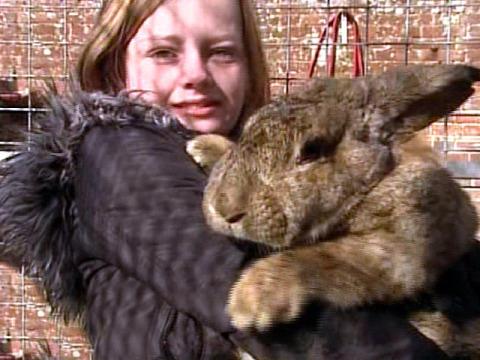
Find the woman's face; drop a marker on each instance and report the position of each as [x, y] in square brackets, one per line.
[190, 55]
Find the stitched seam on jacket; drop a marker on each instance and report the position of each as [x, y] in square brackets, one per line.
[169, 322]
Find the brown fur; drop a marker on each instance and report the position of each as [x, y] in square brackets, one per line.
[333, 177]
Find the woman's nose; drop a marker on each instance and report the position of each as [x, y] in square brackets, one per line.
[195, 70]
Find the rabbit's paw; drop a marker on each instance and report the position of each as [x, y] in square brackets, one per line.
[268, 292]
[206, 150]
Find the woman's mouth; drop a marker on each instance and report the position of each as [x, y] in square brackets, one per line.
[196, 109]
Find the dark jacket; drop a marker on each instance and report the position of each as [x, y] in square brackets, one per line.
[105, 205]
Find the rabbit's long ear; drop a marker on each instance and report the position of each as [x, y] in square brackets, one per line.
[408, 99]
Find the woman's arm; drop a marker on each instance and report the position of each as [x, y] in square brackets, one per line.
[326, 333]
[139, 200]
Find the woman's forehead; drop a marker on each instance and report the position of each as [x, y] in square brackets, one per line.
[218, 18]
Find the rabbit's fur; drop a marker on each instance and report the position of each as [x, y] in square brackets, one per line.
[334, 178]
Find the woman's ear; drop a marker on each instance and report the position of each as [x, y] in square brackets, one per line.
[408, 99]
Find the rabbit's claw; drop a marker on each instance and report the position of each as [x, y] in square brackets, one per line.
[267, 293]
[206, 150]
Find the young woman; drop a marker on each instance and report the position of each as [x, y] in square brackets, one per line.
[114, 222]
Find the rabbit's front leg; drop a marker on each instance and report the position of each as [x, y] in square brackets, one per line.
[269, 291]
[206, 150]
[348, 272]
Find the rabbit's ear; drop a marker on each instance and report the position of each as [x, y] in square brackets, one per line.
[408, 99]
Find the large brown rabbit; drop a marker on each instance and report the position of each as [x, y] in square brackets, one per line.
[360, 210]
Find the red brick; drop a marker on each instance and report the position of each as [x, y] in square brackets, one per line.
[473, 32]
[425, 54]
[432, 32]
[473, 56]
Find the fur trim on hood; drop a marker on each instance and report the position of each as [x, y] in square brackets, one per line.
[37, 200]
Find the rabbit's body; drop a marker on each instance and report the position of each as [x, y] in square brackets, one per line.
[334, 177]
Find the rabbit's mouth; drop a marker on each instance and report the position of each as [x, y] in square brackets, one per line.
[265, 227]
[254, 229]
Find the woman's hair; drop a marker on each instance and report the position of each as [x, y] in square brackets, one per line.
[101, 65]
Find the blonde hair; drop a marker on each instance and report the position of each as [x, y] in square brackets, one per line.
[101, 65]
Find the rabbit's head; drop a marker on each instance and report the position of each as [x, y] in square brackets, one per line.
[302, 163]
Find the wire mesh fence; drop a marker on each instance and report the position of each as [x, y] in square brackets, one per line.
[41, 39]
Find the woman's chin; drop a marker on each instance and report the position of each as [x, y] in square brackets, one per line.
[206, 126]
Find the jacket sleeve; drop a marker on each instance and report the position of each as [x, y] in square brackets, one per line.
[326, 333]
[139, 203]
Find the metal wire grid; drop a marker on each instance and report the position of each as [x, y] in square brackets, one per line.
[29, 80]
[291, 30]
[27, 330]
[456, 137]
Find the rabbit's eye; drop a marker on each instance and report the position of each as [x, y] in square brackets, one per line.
[314, 149]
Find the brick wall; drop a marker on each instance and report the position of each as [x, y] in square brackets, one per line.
[41, 41]
[26, 325]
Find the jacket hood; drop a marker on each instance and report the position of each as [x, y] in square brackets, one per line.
[37, 199]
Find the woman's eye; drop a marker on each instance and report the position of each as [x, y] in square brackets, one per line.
[224, 54]
[163, 54]
[314, 149]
